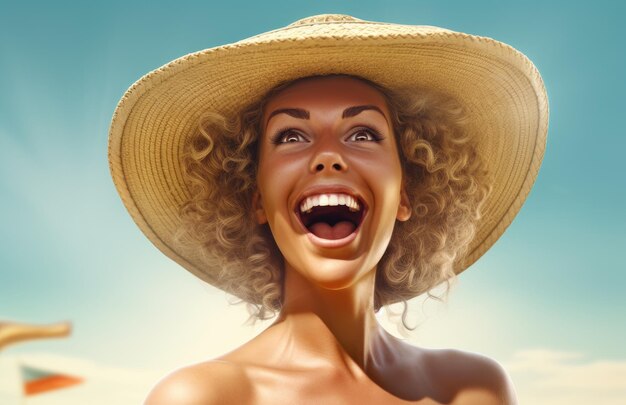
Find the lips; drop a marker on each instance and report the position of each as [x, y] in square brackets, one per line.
[330, 216]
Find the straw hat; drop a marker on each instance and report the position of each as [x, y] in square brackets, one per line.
[499, 87]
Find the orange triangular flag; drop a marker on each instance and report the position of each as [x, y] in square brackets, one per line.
[37, 380]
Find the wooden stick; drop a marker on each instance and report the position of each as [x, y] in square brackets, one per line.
[13, 332]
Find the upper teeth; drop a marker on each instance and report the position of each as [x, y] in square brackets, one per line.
[323, 200]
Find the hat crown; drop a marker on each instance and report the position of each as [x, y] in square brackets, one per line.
[325, 18]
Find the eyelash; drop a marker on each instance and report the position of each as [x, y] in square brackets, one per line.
[376, 137]
[280, 135]
[277, 139]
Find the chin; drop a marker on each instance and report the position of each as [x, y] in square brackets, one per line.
[333, 274]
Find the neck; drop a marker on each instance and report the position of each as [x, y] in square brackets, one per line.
[333, 323]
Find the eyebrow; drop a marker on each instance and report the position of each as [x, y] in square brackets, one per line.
[294, 112]
[304, 114]
[353, 111]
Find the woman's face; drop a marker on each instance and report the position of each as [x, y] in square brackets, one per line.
[329, 178]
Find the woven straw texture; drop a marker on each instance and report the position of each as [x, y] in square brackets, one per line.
[500, 88]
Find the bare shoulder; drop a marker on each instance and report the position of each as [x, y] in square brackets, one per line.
[212, 382]
[473, 378]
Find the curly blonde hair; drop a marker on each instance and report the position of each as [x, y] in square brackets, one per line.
[445, 181]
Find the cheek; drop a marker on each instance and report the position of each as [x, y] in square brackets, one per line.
[276, 177]
[281, 163]
[386, 173]
[386, 185]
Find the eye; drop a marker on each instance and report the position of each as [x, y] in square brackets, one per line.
[288, 136]
[365, 134]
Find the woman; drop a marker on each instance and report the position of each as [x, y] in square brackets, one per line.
[340, 165]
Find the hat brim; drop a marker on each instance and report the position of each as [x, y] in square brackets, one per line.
[499, 87]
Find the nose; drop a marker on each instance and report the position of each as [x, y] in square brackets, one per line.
[328, 160]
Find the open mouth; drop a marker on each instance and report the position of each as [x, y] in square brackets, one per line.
[331, 216]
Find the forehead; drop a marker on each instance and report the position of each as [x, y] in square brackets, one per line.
[326, 92]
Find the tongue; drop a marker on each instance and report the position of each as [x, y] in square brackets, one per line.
[338, 231]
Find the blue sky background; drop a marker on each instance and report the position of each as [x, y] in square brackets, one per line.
[555, 280]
